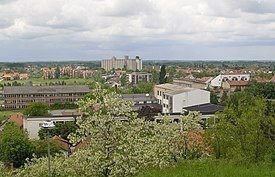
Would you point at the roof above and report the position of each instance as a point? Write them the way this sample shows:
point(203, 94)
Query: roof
point(272, 79)
point(137, 107)
point(17, 119)
point(238, 83)
point(138, 97)
point(176, 92)
point(262, 79)
point(64, 144)
point(170, 86)
point(65, 112)
point(205, 108)
point(46, 89)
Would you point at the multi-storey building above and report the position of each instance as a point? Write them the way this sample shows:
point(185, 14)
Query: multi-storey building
point(126, 63)
point(18, 97)
point(136, 77)
point(174, 98)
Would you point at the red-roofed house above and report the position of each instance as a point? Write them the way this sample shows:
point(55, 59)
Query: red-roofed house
point(262, 80)
point(17, 119)
point(235, 85)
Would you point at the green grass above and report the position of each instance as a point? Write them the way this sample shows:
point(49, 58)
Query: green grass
point(6, 114)
point(212, 169)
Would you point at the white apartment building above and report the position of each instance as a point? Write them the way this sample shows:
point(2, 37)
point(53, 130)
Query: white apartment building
point(217, 81)
point(125, 63)
point(174, 98)
point(136, 77)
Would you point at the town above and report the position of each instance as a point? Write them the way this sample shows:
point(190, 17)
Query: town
point(33, 93)
point(140, 88)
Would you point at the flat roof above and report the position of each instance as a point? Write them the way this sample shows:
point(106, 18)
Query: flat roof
point(205, 108)
point(46, 89)
point(170, 86)
point(187, 89)
point(138, 97)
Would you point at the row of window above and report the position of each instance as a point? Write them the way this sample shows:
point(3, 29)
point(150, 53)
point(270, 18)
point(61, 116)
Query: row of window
point(43, 95)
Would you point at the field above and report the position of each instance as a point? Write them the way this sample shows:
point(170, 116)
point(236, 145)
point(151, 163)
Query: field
point(212, 169)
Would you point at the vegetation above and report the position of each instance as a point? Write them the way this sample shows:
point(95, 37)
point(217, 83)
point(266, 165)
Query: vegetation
point(15, 146)
point(162, 75)
point(244, 130)
point(211, 168)
point(36, 109)
point(6, 114)
point(60, 129)
point(115, 147)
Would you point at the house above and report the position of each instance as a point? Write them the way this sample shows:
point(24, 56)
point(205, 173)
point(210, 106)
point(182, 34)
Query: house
point(7, 77)
point(235, 85)
point(65, 145)
point(272, 80)
point(17, 119)
point(23, 76)
point(262, 80)
point(32, 124)
point(217, 81)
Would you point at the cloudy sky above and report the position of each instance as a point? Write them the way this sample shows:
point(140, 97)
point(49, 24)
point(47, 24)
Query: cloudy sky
point(43, 30)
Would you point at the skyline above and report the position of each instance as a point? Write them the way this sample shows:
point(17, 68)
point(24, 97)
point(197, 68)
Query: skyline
point(70, 30)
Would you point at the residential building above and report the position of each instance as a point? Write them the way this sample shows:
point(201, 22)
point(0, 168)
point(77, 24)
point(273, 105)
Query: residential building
point(235, 85)
point(217, 81)
point(137, 77)
point(174, 98)
point(18, 97)
point(126, 63)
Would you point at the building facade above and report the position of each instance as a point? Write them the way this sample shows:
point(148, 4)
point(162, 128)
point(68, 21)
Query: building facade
point(125, 63)
point(217, 81)
point(174, 98)
point(18, 97)
point(137, 77)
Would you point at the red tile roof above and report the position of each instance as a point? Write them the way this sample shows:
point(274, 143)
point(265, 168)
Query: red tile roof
point(17, 119)
point(238, 83)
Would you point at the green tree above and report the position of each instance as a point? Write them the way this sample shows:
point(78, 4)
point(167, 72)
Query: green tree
point(57, 73)
point(15, 146)
point(41, 148)
point(117, 142)
point(213, 97)
point(162, 75)
point(262, 89)
point(123, 79)
point(60, 129)
point(240, 133)
point(155, 76)
point(36, 109)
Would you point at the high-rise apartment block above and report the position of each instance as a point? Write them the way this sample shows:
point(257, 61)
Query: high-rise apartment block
point(125, 63)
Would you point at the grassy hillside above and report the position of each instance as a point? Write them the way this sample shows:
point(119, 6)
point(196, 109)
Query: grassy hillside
point(212, 169)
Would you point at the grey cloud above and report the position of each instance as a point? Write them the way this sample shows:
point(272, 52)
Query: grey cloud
point(125, 8)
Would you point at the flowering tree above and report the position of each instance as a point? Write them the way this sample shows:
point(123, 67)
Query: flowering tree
point(118, 143)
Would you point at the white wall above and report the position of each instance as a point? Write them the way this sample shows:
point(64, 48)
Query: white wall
point(33, 124)
point(191, 98)
point(217, 81)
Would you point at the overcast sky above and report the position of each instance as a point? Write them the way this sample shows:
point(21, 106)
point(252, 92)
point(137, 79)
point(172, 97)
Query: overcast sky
point(43, 30)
